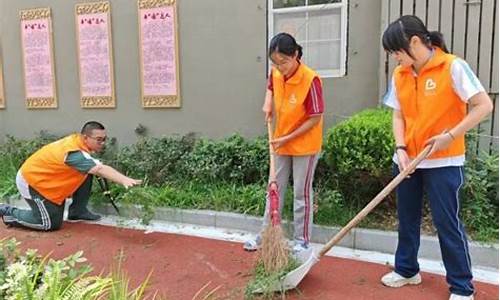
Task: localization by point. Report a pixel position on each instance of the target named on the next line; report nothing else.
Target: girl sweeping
(429, 95)
(295, 90)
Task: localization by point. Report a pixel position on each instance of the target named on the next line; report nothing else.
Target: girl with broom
(295, 91)
(429, 95)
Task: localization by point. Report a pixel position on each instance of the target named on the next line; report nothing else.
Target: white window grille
(319, 26)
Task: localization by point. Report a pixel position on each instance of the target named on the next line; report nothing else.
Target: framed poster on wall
(2, 94)
(95, 54)
(38, 58)
(159, 55)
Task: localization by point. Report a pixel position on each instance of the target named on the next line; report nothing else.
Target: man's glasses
(100, 140)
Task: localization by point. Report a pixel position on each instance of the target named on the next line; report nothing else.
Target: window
(319, 26)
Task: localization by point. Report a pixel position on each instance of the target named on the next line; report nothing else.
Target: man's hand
(130, 182)
(115, 176)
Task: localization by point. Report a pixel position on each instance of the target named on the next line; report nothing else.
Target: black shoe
(86, 216)
(5, 209)
(10, 221)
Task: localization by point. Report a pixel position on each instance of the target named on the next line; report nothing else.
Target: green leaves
(263, 281)
(364, 142)
(13, 152)
(233, 160)
(178, 159)
(156, 159)
(479, 196)
(231, 174)
(32, 277)
(358, 153)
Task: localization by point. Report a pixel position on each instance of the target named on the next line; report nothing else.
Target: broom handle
(272, 171)
(375, 201)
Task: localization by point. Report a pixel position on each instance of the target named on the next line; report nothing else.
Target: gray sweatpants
(303, 174)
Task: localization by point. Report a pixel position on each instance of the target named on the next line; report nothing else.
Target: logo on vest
(430, 87)
(292, 99)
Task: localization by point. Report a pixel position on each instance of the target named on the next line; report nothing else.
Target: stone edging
(485, 255)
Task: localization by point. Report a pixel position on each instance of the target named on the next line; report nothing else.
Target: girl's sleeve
(465, 82)
(314, 103)
(391, 98)
(270, 82)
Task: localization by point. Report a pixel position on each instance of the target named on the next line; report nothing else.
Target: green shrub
(171, 159)
(155, 159)
(364, 142)
(332, 209)
(233, 160)
(231, 175)
(18, 150)
(358, 151)
(479, 196)
(13, 152)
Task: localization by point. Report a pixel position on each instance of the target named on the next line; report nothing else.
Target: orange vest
(429, 104)
(46, 172)
(289, 97)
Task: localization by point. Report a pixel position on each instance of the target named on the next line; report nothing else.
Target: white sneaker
(252, 244)
(395, 280)
(299, 247)
(460, 297)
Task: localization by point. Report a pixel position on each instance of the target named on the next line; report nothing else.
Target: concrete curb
(482, 255)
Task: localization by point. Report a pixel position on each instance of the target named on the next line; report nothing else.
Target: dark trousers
(44, 215)
(442, 186)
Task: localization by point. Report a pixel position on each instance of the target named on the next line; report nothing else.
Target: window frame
(343, 5)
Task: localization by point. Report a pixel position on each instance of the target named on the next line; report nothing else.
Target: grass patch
(263, 281)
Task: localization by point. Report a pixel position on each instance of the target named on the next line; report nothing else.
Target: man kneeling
(57, 171)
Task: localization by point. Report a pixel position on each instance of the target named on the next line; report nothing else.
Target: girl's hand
(268, 112)
(440, 142)
(279, 142)
(403, 160)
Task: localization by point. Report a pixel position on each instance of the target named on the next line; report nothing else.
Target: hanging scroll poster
(158, 53)
(2, 95)
(38, 58)
(95, 59)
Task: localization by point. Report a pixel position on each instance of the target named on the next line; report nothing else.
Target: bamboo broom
(274, 252)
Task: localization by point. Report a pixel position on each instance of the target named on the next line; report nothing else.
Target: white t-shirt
(465, 84)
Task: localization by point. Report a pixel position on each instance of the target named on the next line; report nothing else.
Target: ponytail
(436, 39)
(299, 51)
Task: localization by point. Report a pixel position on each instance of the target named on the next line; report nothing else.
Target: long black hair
(398, 34)
(285, 44)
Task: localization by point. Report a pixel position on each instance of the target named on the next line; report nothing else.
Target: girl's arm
(306, 126)
(481, 106)
(398, 129)
(267, 108)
